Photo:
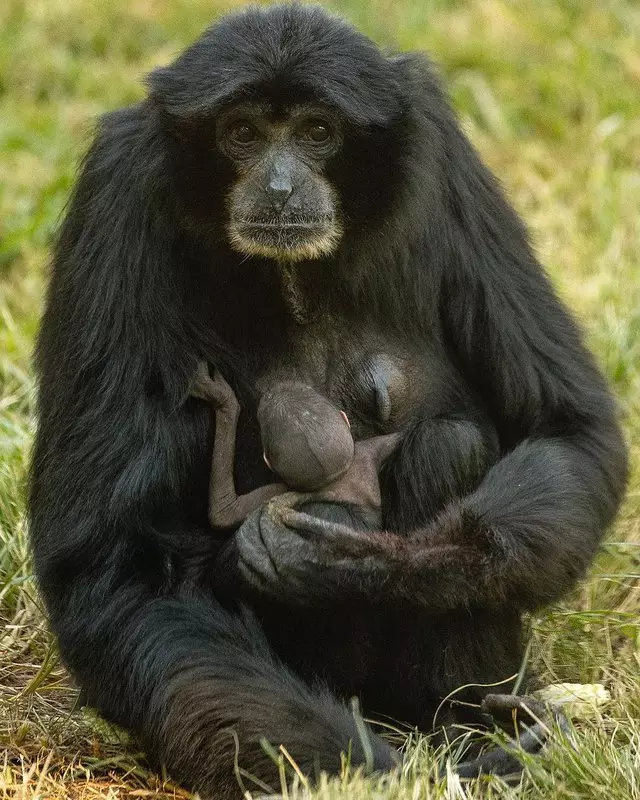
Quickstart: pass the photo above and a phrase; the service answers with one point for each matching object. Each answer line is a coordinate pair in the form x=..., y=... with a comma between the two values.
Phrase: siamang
x=286, y=203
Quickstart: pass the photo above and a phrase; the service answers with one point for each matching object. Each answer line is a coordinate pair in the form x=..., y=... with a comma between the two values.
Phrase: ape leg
x=203, y=690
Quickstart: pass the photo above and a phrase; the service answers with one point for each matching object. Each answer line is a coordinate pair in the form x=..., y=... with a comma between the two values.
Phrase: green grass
x=550, y=93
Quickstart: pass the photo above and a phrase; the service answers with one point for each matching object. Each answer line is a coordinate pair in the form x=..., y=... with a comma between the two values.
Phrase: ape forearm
x=521, y=539
x=529, y=530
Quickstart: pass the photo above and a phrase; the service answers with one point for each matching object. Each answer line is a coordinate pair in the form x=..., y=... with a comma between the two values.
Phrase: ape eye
x=243, y=133
x=318, y=132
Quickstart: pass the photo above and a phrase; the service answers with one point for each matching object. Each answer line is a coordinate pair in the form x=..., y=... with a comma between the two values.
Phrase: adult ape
x=287, y=201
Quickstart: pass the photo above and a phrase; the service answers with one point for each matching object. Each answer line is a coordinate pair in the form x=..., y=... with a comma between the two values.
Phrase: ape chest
x=379, y=379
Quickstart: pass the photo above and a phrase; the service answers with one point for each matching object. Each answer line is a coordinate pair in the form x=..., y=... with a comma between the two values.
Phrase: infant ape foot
x=202, y=384
x=528, y=720
x=214, y=390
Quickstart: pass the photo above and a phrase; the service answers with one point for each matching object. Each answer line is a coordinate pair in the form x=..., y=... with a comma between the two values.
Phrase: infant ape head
x=275, y=117
x=306, y=439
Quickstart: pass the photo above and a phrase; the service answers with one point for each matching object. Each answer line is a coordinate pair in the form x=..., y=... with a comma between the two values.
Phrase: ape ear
x=401, y=60
x=186, y=95
x=418, y=80
x=416, y=71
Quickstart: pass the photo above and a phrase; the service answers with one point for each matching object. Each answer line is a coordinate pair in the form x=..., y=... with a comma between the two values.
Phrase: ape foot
x=528, y=720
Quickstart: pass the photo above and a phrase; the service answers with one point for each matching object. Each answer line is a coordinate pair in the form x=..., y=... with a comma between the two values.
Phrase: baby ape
x=307, y=442
x=286, y=203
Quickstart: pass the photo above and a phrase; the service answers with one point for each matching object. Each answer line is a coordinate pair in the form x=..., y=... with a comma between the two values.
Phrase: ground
x=549, y=91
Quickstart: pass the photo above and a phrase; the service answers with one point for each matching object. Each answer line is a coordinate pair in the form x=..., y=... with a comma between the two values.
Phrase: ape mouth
x=296, y=238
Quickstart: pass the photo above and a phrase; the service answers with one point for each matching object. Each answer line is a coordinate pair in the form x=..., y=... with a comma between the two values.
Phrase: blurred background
x=549, y=92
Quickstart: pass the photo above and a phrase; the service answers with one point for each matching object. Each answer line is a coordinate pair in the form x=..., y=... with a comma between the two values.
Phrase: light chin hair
x=323, y=244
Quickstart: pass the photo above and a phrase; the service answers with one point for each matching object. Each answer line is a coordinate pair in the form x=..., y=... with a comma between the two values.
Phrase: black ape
x=374, y=228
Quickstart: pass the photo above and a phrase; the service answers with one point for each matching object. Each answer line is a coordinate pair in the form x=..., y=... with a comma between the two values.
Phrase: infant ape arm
x=226, y=508
x=359, y=486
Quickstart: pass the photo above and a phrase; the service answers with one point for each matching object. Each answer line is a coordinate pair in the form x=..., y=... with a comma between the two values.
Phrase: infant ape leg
x=226, y=508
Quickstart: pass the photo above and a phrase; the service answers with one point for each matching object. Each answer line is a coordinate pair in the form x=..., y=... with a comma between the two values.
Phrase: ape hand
x=292, y=556
x=298, y=558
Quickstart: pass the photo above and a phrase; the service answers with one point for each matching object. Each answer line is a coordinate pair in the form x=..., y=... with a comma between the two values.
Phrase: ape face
x=280, y=204
x=283, y=138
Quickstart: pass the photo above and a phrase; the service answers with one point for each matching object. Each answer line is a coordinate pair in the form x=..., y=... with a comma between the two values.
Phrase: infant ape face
x=281, y=205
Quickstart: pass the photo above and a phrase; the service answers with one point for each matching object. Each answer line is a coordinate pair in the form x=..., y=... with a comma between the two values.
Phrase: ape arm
x=532, y=525
x=450, y=455
x=523, y=536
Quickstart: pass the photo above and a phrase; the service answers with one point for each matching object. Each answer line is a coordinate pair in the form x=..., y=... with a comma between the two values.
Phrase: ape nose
x=278, y=192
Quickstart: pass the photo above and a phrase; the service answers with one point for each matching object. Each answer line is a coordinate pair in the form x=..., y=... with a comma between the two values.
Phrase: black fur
x=144, y=285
